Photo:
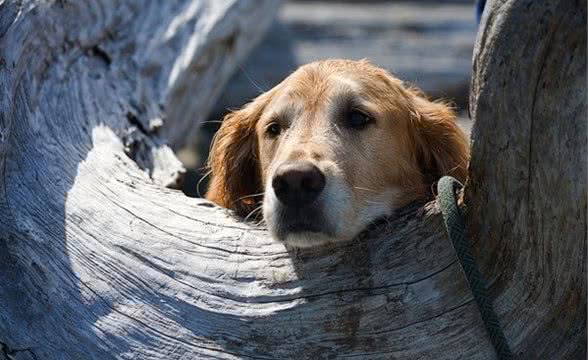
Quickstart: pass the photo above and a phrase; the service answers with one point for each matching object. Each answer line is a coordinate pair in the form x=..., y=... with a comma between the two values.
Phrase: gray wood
x=526, y=196
x=99, y=260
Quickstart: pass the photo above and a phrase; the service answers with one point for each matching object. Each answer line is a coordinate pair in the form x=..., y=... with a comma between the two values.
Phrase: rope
x=456, y=231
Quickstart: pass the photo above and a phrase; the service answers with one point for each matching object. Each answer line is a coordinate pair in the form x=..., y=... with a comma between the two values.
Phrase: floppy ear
x=233, y=160
x=442, y=147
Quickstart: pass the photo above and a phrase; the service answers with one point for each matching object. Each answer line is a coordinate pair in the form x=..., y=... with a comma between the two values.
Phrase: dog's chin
x=302, y=235
x=306, y=233
x=307, y=239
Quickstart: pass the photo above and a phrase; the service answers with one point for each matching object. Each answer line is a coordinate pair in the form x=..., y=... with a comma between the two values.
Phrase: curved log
x=98, y=260
x=526, y=195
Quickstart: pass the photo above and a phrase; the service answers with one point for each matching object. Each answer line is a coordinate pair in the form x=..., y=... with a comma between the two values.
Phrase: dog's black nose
x=298, y=183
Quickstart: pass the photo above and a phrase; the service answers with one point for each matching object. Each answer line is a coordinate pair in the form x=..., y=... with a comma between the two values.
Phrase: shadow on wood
x=98, y=260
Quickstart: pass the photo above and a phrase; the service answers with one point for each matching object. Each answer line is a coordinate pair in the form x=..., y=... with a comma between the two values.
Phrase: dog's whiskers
x=253, y=212
x=365, y=189
x=259, y=223
x=211, y=122
x=249, y=196
x=251, y=80
x=200, y=182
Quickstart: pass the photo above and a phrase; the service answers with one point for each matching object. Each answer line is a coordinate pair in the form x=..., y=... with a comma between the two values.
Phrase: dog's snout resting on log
x=335, y=146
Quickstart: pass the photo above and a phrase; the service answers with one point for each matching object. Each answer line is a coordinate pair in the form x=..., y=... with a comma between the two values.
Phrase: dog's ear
x=442, y=147
x=233, y=160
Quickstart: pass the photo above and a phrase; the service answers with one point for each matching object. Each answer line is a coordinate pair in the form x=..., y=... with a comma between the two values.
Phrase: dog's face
x=335, y=146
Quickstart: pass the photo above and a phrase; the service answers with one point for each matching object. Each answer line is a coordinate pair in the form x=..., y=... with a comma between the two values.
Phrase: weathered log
x=98, y=260
x=527, y=196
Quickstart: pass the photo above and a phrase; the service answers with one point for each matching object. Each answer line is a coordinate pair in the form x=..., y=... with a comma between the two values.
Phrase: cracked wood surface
x=98, y=260
x=526, y=195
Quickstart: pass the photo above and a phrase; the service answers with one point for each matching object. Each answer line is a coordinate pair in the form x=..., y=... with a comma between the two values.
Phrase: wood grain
x=99, y=260
x=526, y=195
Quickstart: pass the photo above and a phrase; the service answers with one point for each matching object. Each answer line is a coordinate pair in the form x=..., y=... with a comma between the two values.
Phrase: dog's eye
x=357, y=119
x=273, y=129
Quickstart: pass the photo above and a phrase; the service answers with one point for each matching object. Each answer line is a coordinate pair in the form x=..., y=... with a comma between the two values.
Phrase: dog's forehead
x=306, y=90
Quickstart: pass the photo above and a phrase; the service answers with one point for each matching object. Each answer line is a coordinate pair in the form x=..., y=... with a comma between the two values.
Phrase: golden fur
x=411, y=143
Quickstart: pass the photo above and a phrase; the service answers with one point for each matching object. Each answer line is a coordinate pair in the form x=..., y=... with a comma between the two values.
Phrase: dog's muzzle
x=297, y=185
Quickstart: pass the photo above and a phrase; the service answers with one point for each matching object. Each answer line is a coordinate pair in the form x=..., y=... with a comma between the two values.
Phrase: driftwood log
x=99, y=260
x=526, y=196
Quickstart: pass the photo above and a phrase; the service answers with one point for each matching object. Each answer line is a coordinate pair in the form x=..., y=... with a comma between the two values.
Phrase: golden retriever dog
x=333, y=147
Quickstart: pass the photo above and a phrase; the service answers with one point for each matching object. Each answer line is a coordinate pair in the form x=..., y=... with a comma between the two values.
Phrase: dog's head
x=332, y=148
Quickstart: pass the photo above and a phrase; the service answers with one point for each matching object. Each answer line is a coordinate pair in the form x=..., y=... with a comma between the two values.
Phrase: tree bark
x=99, y=260
x=526, y=196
